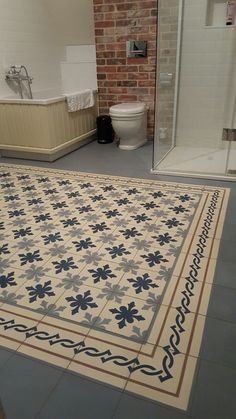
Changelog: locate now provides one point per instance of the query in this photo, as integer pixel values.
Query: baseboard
(43, 154)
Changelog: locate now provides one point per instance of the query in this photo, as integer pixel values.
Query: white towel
(80, 100)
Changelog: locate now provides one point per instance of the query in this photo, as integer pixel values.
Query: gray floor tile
(131, 407)
(78, 398)
(219, 342)
(225, 274)
(214, 393)
(222, 303)
(5, 355)
(24, 385)
(227, 251)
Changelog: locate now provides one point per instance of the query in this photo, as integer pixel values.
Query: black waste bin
(104, 129)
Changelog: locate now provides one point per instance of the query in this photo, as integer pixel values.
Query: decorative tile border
(159, 364)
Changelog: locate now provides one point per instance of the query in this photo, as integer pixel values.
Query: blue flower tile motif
(42, 217)
(11, 198)
(171, 223)
(23, 177)
(5, 174)
(59, 205)
(34, 201)
(81, 302)
(108, 188)
(30, 257)
(101, 274)
(64, 265)
(164, 239)
(150, 205)
(28, 188)
(22, 232)
(126, 315)
(73, 194)
(97, 198)
(83, 244)
(140, 218)
(112, 213)
(122, 201)
(52, 238)
(70, 222)
(154, 258)
(116, 251)
(63, 182)
(85, 209)
(157, 195)
(2, 227)
(99, 227)
(40, 291)
(86, 185)
(132, 191)
(43, 180)
(130, 232)
(16, 213)
(50, 191)
(179, 209)
(142, 283)
(184, 198)
(4, 249)
(8, 185)
(7, 280)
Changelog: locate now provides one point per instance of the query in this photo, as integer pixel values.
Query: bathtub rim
(47, 101)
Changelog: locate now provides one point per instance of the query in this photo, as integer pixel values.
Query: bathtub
(42, 128)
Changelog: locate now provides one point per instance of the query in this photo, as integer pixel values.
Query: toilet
(129, 121)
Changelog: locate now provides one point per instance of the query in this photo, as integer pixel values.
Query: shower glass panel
(201, 101)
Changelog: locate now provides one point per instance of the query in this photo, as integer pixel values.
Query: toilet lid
(128, 108)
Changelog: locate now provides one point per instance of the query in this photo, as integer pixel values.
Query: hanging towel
(81, 100)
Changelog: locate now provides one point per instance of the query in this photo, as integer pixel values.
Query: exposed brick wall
(122, 79)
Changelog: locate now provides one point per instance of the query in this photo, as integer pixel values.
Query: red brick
(138, 76)
(137, 61)
(117, 61)
(146, 83)
(106, 54)
(106, 69)
(118, 90)
(127, 98)
(103, 8)
(99, 32)
(127, 68)
(101, 61)
(105, 24)
(117, 76)
(128, 83)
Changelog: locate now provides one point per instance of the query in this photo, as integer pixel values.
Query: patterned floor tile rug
(109, 277)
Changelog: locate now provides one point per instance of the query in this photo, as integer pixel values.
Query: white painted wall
(207, 79)
(36, 32)
(73, 19)
(27, 37)
(79, 70)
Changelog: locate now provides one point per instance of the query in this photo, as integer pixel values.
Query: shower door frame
(154, 169)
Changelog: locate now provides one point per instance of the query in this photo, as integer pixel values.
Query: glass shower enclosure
(196, 90)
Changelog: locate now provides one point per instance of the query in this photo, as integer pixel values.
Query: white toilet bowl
(129, 121)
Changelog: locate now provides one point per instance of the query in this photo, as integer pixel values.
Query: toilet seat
(129, 108)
